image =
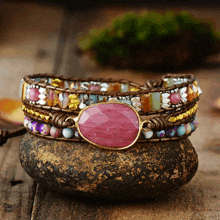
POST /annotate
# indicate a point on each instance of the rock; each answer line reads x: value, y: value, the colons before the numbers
x: 145, y: 170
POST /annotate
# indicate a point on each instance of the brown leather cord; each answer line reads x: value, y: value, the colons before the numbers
x: 5, y: 134
x: 149, y: 86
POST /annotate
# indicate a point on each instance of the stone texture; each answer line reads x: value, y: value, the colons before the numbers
x: 145, y: 170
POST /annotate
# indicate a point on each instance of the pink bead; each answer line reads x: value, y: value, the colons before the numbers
x: 33, y: 94
x: 175, y: 98
x: 55, y: 132
x: 109, y: 125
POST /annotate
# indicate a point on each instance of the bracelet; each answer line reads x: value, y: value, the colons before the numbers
x: 51, y: 92
x: 115, y: 115
x: 71, y: 134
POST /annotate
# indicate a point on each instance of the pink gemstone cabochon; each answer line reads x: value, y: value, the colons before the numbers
x: 109, y: 125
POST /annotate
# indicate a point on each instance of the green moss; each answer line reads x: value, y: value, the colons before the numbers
x: 147, y: 31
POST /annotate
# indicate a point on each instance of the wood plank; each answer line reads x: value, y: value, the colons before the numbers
x: 16, y: 187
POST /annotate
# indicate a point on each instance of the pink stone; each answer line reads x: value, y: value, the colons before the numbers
x: 33, y: 94
x: 175, y: 98
x: 109, y: 125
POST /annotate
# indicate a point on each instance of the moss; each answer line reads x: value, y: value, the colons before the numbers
x: 147, y: 31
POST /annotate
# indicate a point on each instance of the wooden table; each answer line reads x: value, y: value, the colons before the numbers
x: 23, y: 199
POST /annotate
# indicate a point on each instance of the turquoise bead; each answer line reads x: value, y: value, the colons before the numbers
x: 181, y: 130
x: 67, y: 132
x: 161, y: 134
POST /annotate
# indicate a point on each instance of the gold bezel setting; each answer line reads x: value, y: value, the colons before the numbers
x: 140, y: 123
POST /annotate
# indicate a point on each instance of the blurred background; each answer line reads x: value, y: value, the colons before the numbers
x: 43, y: 37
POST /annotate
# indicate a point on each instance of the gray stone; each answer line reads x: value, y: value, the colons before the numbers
x: 145, y: 170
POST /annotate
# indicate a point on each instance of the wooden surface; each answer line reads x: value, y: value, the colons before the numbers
x: 22, y: 199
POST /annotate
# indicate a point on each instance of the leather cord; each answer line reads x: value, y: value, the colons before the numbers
x: 5, y: 134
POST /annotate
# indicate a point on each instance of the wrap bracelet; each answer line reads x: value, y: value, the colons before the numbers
x: 108, y: 113
x: 51, y: 92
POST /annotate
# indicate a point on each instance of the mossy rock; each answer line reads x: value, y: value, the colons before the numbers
x: 145, y: 170
x: 151, y: 40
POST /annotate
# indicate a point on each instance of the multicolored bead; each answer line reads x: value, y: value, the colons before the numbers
x: 63, y: 100
x: 187, y: 128
x: 26, y: 121
x: 195, y: 123
x: 55, y: 132
x: 44, y: 129
x: 35, y: 127
x: 171, y: 132
x: 161, y: 134
x: 52, y: 98
x: 67, y: 133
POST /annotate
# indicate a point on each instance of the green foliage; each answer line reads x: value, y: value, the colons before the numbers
x: 148, y: 30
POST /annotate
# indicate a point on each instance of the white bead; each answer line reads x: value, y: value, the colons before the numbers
x: 183, y: 90
x: 165, y: 95
x: 42, y: 96
x: 42, y: 102
x: 42, y: 90
x: 165, y: 106
x: 82, y: 105
x: 147, y: 134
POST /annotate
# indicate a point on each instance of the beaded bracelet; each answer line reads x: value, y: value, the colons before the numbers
x: 51, y: 92
x: 111, y: 114
x: 111, y: 125
x: 71, y: 134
